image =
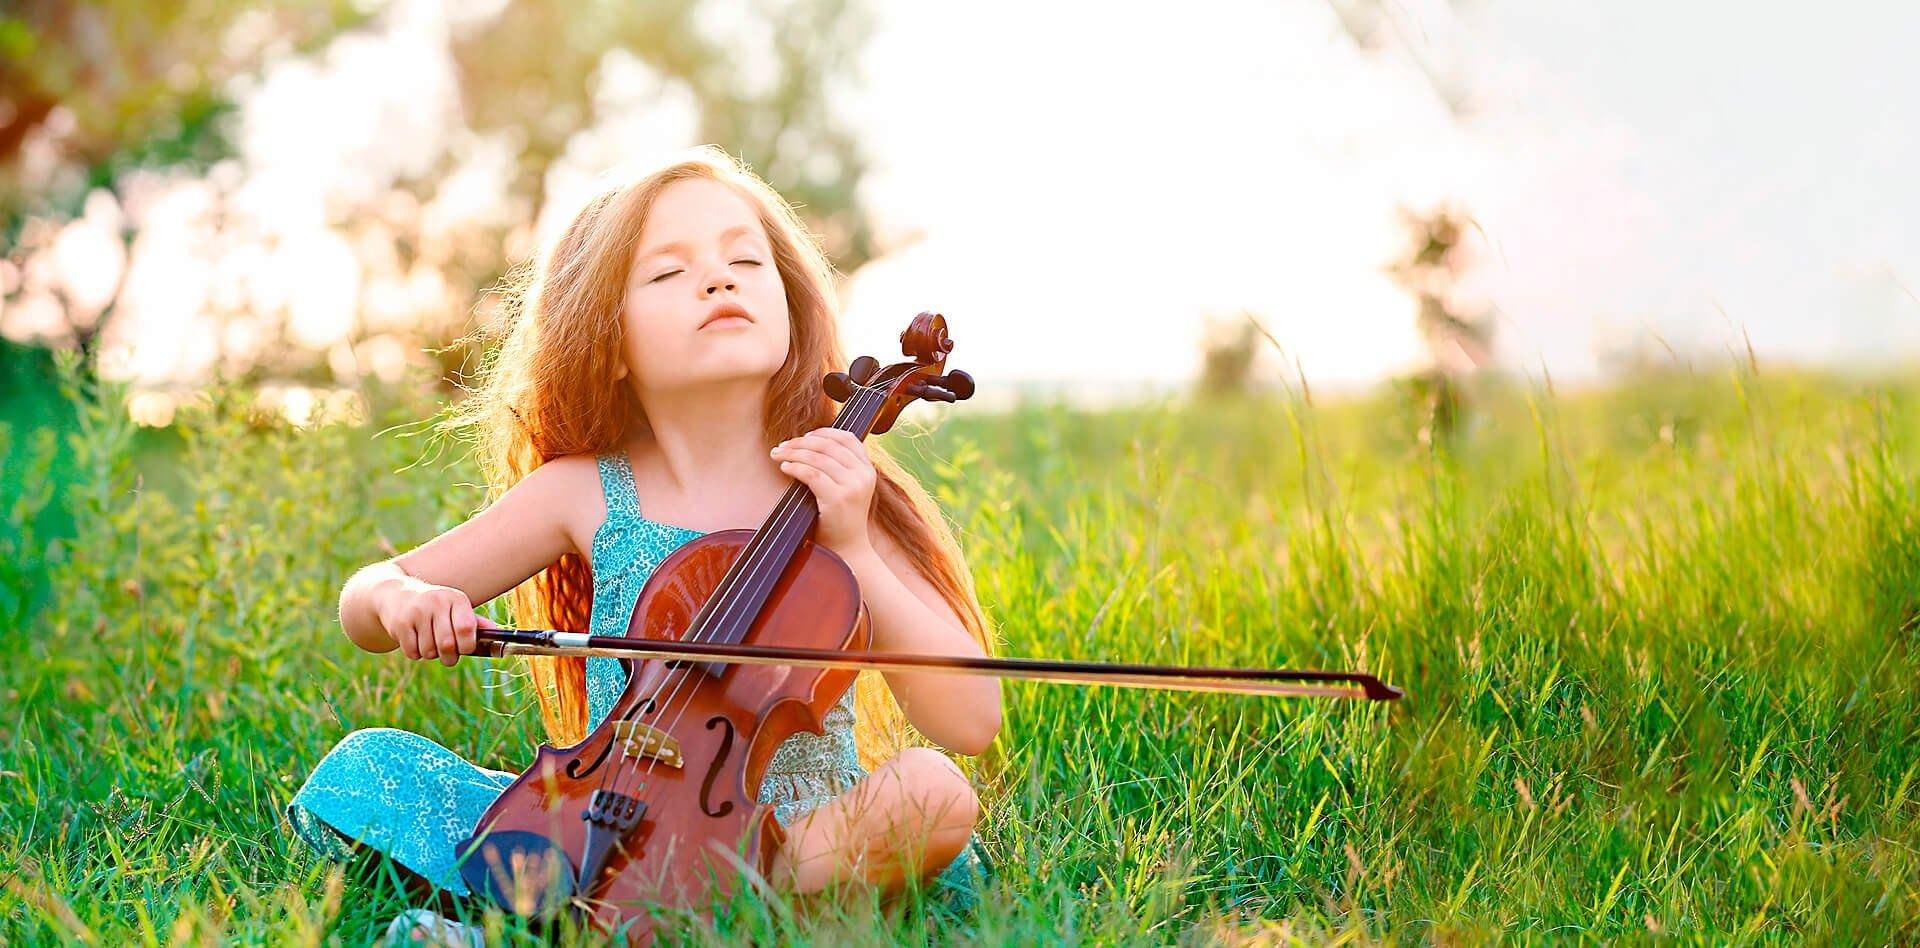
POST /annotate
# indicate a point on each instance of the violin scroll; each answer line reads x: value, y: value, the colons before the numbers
x: 925, y: 340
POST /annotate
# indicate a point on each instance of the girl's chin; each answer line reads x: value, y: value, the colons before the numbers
x: 710, y: 372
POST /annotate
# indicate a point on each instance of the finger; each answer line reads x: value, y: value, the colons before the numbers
x: 857, y: 455
x: 846, y: 447
x: 405, y: 637
x: 810, y: 476
x: 832, y: 466
x: 836, y: 438
x: 848, y: 438
x: 446, y: 641
x: 430, y: 635
x: 483, y: 622
x: 464, y: 622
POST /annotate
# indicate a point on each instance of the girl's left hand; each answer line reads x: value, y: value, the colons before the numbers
x: 835, y: 466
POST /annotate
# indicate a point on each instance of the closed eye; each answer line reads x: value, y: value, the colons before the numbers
x: 749, y: 260
x: 663, y: 276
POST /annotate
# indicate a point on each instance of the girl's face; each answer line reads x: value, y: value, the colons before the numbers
x: 703, y: 254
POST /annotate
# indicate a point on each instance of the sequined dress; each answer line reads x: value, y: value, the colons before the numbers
x: 406, y: 796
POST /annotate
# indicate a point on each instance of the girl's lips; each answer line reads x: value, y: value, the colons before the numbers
x: 726, y: 321
x: 727, y: 314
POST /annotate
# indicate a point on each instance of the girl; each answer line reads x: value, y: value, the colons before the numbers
x: 661, y: 381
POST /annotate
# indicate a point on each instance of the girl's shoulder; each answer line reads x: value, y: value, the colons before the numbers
x: 569, y: 471
x: 575, y: 484
x: 607, y: 468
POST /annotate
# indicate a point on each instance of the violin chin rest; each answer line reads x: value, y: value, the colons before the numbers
x: 524, y: 873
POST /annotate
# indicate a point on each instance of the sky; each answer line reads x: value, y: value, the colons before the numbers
x: 1080, y: 193
x: 1090, y: 187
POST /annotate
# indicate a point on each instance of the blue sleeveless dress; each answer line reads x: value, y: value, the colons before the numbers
x: 408, y: 797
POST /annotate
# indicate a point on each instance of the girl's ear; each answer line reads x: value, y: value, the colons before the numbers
x: 620, y: 372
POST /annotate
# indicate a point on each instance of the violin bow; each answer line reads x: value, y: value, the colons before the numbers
x: 926, y: 340
x: 1299, y: 683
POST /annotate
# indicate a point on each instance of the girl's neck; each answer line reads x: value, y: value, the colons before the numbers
x: 709, y: 450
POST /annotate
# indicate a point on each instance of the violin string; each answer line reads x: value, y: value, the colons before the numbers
x: 857, y: 404
x: 753, y: 558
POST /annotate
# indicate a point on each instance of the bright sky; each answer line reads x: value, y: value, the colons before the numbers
x: 1087, y: 186
x: 1090, y: 184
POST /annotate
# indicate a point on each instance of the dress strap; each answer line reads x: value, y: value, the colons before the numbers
x: 616, y: 482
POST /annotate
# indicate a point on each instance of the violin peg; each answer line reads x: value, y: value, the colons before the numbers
x: 959, y: 383
x: 839, y: 387
x: 863, y: 368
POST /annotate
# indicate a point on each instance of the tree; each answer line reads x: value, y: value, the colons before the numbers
x: 1227, y: 354
x: 91, y: 92
x: 531, y: 69
x: 530, y: 81
x: 87, y: 89
x: 1459, y: 342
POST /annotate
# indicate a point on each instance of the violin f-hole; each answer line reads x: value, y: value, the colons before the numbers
x: 713, y: 769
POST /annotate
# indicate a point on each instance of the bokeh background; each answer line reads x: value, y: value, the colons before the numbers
x: 308, y: 195
x: 1551, y: 360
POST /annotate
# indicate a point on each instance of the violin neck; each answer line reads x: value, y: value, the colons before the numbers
x: 743, y: 592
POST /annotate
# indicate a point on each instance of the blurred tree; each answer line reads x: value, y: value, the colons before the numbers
x: 761, y: 86
x: 1376, y: 26
x: 88, y: 90
x: 1458, y: 342
x: 1227, y: 355
x: 759, y: 78
x: 98, y: 96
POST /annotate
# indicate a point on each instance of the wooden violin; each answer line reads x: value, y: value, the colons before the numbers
x: 739, y: 639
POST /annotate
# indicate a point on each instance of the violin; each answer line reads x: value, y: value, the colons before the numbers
x: 738, y: 640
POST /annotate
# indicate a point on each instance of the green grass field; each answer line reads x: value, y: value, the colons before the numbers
x: 1660, y: 643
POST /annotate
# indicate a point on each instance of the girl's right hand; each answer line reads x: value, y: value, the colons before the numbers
x: 429, y: 621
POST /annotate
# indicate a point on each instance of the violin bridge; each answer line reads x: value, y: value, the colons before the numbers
x: 645, y: 740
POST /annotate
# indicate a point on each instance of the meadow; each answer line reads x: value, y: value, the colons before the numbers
x: 1660, y: 643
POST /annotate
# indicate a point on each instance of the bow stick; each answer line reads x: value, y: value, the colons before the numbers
x: 498, y: 643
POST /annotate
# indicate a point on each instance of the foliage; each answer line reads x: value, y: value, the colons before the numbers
x: 125, y: 82
x: 1660, y: 644
x: 530, y: 70
x: 108, y: 106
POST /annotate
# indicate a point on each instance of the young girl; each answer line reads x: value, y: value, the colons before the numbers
x: 663, y: 380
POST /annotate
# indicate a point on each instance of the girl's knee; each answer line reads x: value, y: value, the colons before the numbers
x: 932, y: 778
x: 924, y: 765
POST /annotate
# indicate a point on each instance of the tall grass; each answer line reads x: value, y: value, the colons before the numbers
x: 1660, y: 644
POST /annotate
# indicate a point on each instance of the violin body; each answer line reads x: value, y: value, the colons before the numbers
x: 663, y: 794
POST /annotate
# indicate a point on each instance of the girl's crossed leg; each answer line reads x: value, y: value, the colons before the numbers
x: 909, y: 818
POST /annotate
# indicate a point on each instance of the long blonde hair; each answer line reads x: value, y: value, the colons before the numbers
x: 550, y: 390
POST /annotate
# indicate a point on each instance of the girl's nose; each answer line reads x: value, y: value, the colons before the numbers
x: 718, y: 285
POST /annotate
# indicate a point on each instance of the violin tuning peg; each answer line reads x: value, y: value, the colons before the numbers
x: 959, y: 383
x: 863, y: 368
x: 839, y: 387
x: 934, y: 393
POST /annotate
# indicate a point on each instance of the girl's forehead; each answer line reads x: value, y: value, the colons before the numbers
x: 693, y: 211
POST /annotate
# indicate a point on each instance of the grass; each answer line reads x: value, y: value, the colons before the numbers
x: 1660, y: 643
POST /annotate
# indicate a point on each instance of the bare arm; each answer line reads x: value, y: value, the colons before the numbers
x: 429, y: 592
x: 959, y: 712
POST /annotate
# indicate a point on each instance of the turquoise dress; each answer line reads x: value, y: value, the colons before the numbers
x: 408, y: 797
